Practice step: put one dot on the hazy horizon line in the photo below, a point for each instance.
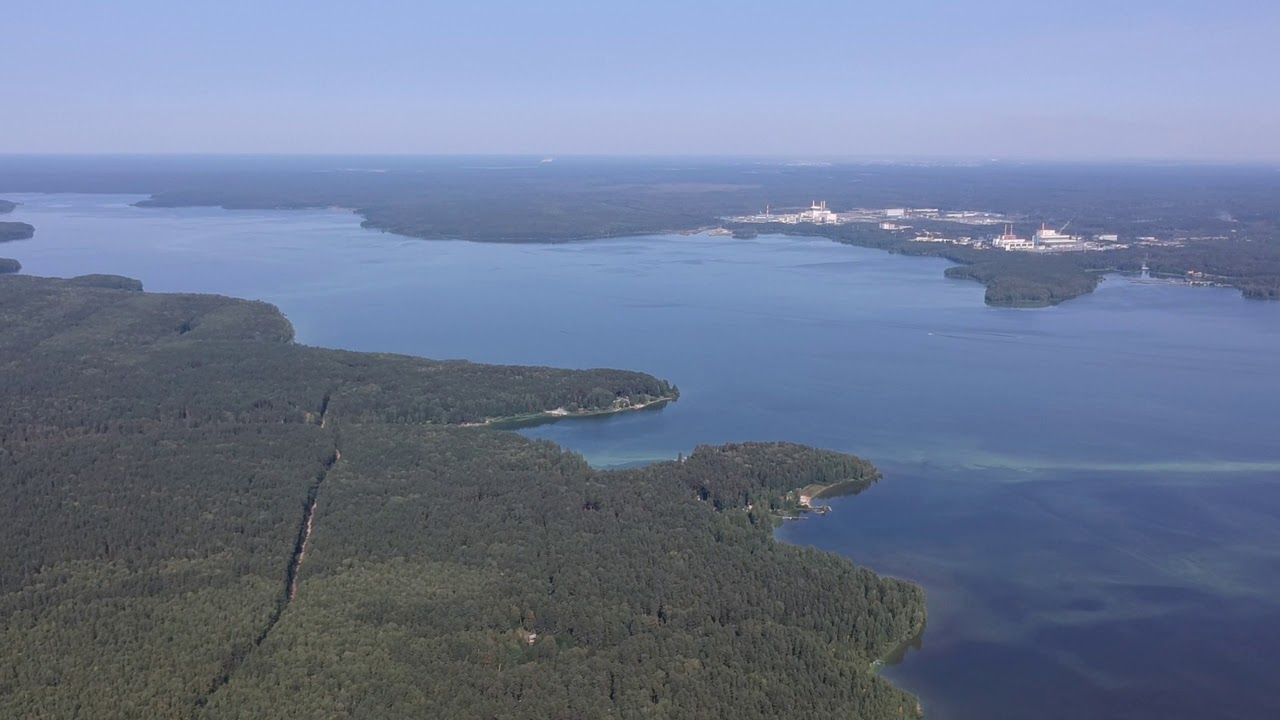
(799, 159)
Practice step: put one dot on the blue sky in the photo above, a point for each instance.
(989, 78)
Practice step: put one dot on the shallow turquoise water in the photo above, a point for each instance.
(1090, 493)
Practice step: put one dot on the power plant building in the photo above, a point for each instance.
(818, 213)
(1009, 241)
(1050, 239)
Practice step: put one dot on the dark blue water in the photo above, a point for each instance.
(1089, 493)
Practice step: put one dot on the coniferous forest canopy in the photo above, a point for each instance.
(209, 520)
(1227, 214)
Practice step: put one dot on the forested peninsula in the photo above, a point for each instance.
(7, 206)
(1011, 279)
(209, 520)
(1016, 279)
(16, 231)
(9, 265)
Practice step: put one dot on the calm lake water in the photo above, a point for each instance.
(1089, 493)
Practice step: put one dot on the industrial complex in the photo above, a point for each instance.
(1046, 239)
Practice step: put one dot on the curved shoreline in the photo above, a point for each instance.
(407, 497)
(897, 651)
(1083, 279)
(558, 414)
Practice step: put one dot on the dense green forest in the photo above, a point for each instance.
(16, 231)
(519, 199)
(7, 206)
(1022, 281)
(209, 520)
(1252, 267)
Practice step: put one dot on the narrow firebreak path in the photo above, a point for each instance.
(239, 655)
(304, 532)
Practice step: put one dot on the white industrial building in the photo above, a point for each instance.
(1051, 239)
(1009, 241)
(818, 213)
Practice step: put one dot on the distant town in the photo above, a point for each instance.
(897, 220)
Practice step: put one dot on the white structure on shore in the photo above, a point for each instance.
(1009, 241)
(1051, 239)
(1045, 239)
(818, 213)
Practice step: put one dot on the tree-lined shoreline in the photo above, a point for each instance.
(169, 460)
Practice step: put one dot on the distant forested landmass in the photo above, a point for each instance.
(1253, 267)
(1018, 279)
(205, 519)
(15, 231)
(9, 265)
(110, 282)
(7, 206)
(1012, 279)
(1227, 214)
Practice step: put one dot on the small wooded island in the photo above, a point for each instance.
(210, 520)
(16, 231)
(7, 206)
